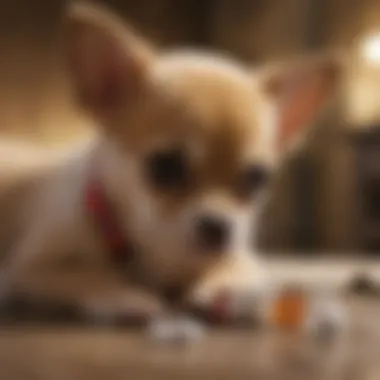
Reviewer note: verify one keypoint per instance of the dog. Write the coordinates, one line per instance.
(167, 193)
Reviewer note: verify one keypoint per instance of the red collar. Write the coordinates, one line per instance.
(99, 208)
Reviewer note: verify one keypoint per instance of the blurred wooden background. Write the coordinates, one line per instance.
(34, 101)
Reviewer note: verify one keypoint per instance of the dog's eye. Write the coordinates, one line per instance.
(168, 169)
(253, 180)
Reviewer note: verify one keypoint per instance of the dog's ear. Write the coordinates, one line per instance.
(106, 60)
(299, 91)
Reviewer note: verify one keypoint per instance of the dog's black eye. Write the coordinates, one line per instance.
(253, 180)
(168, 169)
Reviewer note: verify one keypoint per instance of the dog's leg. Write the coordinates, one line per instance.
(96, 290)
(95, 294)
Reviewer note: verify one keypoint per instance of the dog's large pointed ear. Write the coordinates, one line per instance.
(106, 60)
(299, 91)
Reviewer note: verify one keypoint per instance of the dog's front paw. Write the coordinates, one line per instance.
(127, 308)
(232, 291)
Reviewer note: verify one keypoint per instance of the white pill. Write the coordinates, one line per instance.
(175, 330)
(327, 318)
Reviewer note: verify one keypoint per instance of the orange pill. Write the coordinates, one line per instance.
(289, 309)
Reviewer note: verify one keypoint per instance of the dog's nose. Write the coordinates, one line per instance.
(212, 232)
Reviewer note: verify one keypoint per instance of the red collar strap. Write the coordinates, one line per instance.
(102, 213)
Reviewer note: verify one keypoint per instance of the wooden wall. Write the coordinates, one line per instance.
(33, 96)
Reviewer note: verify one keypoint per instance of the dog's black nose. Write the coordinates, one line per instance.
(212, 232)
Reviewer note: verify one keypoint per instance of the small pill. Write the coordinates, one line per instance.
(175, 330)
(327, 318)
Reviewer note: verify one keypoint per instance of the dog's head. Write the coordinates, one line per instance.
(193, 138)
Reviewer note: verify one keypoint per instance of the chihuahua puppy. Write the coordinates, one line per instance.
(167, 193)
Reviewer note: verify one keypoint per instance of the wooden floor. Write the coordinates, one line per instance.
(46, 353)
